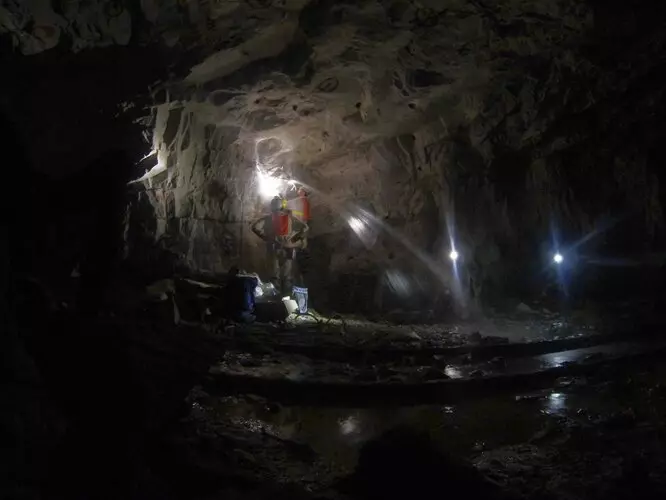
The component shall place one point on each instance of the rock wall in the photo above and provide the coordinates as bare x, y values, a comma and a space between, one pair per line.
493, 126
508, 128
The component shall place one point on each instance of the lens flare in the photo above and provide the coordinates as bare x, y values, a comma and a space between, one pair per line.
454, 255
558, 258
356, 224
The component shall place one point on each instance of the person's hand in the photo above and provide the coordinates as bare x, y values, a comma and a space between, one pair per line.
294, 244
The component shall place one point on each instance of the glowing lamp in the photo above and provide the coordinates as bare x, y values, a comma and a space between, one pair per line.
268, 186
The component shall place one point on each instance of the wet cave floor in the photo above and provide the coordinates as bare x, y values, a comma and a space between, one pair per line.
565, 410
542, 405
584, 438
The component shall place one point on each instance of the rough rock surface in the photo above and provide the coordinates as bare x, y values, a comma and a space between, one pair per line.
493, 123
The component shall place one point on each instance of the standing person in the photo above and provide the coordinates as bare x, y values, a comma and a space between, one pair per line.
300, 207
263, 228
292, 238
283, 235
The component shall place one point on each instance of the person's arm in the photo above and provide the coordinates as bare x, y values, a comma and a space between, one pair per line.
255, 227
304, 230
298, 239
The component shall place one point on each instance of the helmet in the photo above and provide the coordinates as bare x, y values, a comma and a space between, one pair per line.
276, 204
301, 191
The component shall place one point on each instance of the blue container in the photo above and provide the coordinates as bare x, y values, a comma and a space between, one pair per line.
249, 283
240, 295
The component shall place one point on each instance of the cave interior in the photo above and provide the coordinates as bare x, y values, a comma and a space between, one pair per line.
486, 203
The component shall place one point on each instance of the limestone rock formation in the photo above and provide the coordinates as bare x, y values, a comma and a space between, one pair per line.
492, 125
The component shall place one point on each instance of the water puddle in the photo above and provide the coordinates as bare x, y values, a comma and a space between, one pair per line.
337, 434
469, 429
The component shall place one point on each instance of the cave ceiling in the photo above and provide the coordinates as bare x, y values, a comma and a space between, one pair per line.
337, 78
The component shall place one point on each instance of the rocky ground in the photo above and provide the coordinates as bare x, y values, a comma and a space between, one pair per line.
586, 438
174, 396
582, 437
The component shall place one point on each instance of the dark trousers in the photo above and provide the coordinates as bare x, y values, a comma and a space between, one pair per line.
302, 258
281, 267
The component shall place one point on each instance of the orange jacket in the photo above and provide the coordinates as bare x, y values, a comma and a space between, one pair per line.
300, 208
281, 223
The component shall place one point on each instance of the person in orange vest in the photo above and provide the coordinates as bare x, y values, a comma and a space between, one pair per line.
291, 232
283, 234
300, 207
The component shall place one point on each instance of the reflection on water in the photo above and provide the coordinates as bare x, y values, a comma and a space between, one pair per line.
348, 425
338, 433
556, 360
555, 403
255, 425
